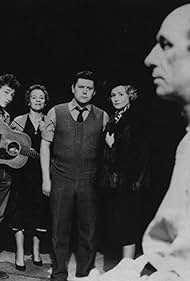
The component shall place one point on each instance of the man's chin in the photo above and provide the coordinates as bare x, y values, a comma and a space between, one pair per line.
163, 92
83, 103
168, 95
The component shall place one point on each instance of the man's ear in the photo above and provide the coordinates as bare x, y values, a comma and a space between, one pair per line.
72, 89
94, 93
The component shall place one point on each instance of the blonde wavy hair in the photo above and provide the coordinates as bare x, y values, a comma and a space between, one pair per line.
131, 92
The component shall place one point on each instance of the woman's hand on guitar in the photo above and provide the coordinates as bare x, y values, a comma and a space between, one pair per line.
46, 188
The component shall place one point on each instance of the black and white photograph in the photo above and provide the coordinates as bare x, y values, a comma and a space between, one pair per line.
95, 140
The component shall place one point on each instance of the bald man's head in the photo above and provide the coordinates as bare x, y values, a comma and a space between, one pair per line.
180, 15
170, 57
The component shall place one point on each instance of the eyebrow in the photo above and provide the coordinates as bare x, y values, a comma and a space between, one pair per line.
9, 90
163, 40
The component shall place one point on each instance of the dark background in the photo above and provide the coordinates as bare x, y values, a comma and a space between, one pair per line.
45, 41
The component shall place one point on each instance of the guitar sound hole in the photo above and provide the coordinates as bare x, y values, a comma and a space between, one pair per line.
13, 149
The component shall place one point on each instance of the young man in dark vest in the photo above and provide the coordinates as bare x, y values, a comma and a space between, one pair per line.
8, 85
73, 131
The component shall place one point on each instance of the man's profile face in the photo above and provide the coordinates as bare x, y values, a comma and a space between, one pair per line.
170, 57
6, 95
83, 91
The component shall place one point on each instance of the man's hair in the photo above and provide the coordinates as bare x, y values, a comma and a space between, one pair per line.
10, 80
86, 74
34, 87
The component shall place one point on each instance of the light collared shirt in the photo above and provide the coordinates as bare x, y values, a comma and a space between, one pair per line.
73, 105
50, 123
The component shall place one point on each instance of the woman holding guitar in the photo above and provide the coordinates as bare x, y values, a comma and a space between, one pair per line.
29, 215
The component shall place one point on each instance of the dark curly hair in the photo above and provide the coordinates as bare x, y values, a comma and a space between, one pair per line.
10, 80
86, 74
34, 87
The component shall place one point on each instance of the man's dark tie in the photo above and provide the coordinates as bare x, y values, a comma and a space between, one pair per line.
80, 117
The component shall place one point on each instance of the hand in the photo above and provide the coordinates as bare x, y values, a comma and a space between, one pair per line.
46, 188
42, 125
110, 139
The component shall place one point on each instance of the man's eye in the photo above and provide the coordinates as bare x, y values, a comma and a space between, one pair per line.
165, 44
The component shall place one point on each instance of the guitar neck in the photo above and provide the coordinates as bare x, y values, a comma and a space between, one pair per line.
29, 152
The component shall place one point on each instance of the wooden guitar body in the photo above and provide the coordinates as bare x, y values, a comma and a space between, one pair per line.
15, 147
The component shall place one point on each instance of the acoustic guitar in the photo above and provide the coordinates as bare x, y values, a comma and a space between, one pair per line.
15, 147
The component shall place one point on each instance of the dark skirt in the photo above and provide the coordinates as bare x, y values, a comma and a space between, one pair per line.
122, 218
28, 208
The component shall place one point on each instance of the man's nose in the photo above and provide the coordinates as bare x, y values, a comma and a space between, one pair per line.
84, 90
154, 56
